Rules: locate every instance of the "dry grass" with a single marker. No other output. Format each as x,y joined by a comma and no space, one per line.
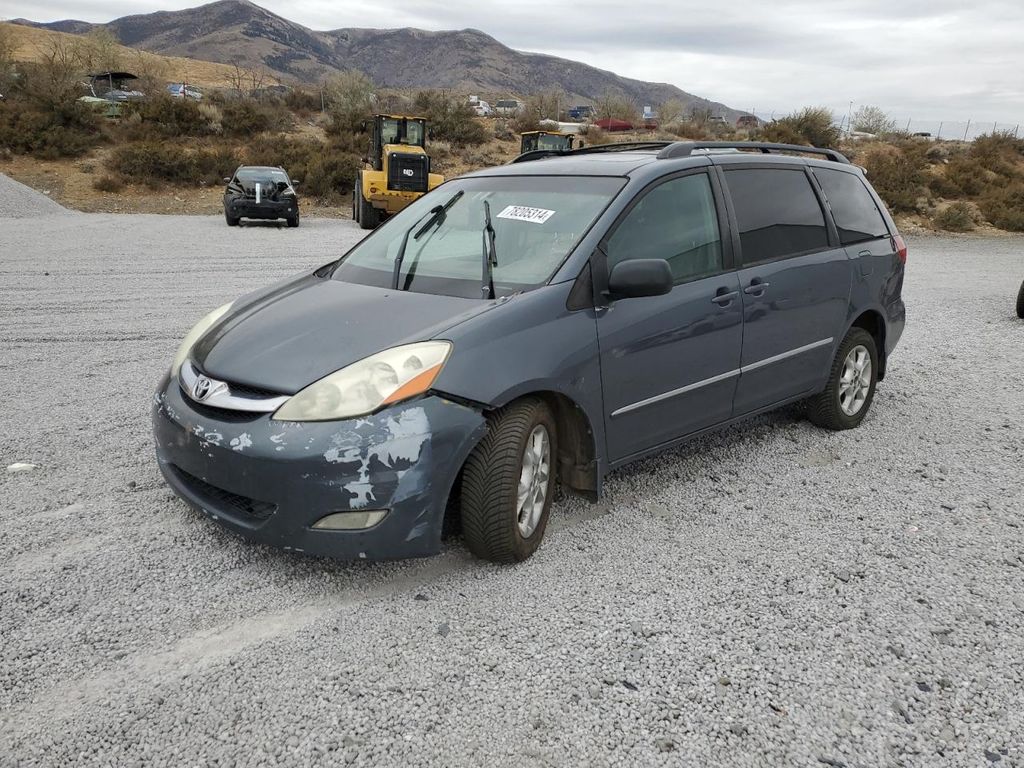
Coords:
29,42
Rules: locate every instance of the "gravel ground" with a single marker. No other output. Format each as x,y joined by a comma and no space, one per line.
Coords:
18,201
770,595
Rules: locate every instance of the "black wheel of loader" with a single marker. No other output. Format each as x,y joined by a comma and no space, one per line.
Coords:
368,216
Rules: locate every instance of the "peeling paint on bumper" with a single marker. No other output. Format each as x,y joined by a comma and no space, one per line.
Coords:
271,481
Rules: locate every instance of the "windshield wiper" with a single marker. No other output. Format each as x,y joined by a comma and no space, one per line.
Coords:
490,254
433,216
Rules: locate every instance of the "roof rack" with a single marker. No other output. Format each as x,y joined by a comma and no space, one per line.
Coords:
687,148
625,146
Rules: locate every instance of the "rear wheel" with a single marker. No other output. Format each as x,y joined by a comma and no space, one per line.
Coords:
508,483
1020,301
851,384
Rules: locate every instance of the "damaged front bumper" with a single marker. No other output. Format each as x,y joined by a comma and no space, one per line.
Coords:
271,481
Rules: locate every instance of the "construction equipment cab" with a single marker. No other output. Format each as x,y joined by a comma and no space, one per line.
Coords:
534,140
399,172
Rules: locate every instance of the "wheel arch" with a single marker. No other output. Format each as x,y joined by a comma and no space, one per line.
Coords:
873,321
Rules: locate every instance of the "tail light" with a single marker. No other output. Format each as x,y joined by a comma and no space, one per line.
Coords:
901,248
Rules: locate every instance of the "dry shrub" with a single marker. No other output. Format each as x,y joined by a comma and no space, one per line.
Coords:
451,119
243,117
49,133
327,171
956,217
155,164
897,174
811,125
686,130
1003,206
108,183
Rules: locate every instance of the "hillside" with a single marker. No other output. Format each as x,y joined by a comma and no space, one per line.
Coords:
240,32
31,42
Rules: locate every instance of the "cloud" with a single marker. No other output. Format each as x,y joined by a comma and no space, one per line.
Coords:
925,59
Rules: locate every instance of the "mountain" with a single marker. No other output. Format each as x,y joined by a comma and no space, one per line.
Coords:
240,32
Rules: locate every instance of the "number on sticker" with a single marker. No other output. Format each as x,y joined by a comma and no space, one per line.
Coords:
525,213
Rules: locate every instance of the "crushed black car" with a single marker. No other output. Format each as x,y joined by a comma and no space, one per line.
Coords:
261,192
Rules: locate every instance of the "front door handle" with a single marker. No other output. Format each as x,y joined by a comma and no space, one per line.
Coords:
757,287
724,299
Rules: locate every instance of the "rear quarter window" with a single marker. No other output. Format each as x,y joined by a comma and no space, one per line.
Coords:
777,213
856,215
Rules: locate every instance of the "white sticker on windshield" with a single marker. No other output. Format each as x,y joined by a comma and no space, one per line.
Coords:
523,213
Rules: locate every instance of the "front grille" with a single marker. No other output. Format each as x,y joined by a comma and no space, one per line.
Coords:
220,499
228,415
408,172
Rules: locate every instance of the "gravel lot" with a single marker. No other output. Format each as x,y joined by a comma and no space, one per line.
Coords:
770,595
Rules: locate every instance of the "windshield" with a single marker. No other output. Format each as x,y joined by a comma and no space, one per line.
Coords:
391,132
537,221
261,174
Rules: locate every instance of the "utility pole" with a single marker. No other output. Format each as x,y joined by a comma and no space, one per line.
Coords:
908,125
967,128
939,134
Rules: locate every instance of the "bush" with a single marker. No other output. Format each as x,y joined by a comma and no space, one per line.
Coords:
451,119
811,125
593,135
1003,206
685,130
108,184
155,164
67,130
165,117
898,175
955,218
242,117
964,177
327,171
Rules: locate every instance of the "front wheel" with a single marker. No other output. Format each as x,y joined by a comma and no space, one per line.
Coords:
1020,301
851,384
231,220
293,221
368,216
508,483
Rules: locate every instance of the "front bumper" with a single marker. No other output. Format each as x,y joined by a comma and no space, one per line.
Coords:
265,209
270,481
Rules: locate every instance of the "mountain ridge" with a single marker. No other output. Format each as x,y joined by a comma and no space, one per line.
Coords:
239,32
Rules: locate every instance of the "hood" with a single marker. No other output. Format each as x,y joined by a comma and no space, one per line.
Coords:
287,338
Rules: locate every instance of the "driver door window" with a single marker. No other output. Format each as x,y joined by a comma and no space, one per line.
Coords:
675,221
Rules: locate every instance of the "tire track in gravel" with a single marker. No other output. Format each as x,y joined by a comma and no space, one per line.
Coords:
61,703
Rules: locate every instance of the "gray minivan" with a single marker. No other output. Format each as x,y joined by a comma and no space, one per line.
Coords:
549,320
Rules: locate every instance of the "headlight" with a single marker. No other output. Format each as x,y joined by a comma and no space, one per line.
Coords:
363,387
193,336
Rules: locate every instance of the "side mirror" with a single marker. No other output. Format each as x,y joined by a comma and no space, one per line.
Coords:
227,180
296,182
634,278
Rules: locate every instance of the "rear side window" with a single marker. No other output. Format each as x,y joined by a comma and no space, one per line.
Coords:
857,217
777,212
675,221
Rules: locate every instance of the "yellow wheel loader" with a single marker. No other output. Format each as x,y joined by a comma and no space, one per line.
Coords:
398,172
534,140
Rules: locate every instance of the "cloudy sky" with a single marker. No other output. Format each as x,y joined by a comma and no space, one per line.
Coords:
928,60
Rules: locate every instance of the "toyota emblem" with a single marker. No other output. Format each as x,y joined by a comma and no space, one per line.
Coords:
201,389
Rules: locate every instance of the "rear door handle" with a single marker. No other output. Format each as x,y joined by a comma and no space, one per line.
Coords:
756,287
862,254
724,299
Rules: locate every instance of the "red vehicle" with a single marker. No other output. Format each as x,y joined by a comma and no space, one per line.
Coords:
611,124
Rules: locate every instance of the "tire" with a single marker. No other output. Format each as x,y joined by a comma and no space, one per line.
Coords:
368,217
293,221
232,222
839,406
492,525
1020,301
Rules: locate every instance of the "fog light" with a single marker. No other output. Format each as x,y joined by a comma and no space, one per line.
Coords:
350,521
